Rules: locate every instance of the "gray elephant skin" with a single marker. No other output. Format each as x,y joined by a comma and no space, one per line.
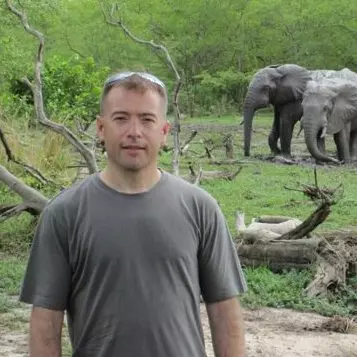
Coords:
281,86
330,107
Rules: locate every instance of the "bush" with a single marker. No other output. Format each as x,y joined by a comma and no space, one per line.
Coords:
222,92
71,89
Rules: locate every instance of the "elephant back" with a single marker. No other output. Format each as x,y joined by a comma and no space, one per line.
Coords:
345,73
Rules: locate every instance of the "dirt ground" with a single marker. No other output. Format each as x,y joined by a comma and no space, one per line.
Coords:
269,333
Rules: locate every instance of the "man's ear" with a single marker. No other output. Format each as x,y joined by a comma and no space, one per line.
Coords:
99,125
166,128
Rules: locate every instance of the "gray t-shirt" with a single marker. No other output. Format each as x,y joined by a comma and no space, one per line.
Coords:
129,268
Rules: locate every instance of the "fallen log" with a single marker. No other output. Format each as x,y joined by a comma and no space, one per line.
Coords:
272,219
210,175
332,256
337,259
279,255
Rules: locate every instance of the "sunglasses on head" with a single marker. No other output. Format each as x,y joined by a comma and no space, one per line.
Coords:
123,75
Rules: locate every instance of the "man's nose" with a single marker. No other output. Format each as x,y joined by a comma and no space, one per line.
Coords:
134,127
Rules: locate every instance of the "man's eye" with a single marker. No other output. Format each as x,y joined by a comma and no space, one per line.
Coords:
119,118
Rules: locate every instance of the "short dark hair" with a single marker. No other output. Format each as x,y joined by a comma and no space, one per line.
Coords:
138,81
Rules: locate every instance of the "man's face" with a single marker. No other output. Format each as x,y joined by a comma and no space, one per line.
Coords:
133,128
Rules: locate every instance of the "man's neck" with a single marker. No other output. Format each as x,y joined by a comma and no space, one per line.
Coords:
130,181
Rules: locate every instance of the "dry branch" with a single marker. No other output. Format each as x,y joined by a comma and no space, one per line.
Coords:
314,220
210,175
228,144
33,201
209,153
228,162
176,126
199,177
31,170
185,144
317,194
36,89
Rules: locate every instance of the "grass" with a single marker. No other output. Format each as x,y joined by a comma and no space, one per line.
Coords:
258,189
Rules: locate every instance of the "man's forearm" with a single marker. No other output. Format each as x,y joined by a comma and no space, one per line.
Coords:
227,330
45,334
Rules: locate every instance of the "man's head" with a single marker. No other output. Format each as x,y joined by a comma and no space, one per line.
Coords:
132,121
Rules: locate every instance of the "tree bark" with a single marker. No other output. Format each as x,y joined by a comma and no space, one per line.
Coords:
33,200
228,143
279,255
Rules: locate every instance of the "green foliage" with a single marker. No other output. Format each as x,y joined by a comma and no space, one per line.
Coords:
72,87
11,273
221,93
220,42
285,291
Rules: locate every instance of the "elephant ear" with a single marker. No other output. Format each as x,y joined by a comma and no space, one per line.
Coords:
293,80
344,108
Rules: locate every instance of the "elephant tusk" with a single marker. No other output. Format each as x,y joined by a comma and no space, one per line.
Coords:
323,134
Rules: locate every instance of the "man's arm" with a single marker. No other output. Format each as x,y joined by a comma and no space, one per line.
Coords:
226,324
45,332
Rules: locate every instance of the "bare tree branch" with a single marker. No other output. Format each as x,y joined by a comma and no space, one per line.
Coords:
33,201
6,146
36,88
31,170
198,178
176,126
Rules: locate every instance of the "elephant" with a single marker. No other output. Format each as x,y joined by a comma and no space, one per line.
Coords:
283,87
330,107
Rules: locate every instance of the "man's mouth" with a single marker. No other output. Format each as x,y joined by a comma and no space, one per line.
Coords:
133,147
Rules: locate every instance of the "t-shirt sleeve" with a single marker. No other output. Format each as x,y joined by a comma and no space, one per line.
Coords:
221,274
48,274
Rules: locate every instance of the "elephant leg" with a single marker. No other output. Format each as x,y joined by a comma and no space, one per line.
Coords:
342,145
289,116
274,133
286,133
353,146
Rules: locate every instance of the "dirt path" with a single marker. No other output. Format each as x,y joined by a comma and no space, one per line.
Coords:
269,333
281,332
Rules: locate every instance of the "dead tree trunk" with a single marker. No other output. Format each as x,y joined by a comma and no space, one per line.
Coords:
33,201
228,144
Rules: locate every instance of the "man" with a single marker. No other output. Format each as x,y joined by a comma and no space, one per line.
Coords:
127,252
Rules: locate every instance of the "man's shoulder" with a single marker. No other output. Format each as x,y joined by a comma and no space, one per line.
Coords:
69,197
190,191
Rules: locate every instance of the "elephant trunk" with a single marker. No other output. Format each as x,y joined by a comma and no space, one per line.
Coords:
248,119
312,131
